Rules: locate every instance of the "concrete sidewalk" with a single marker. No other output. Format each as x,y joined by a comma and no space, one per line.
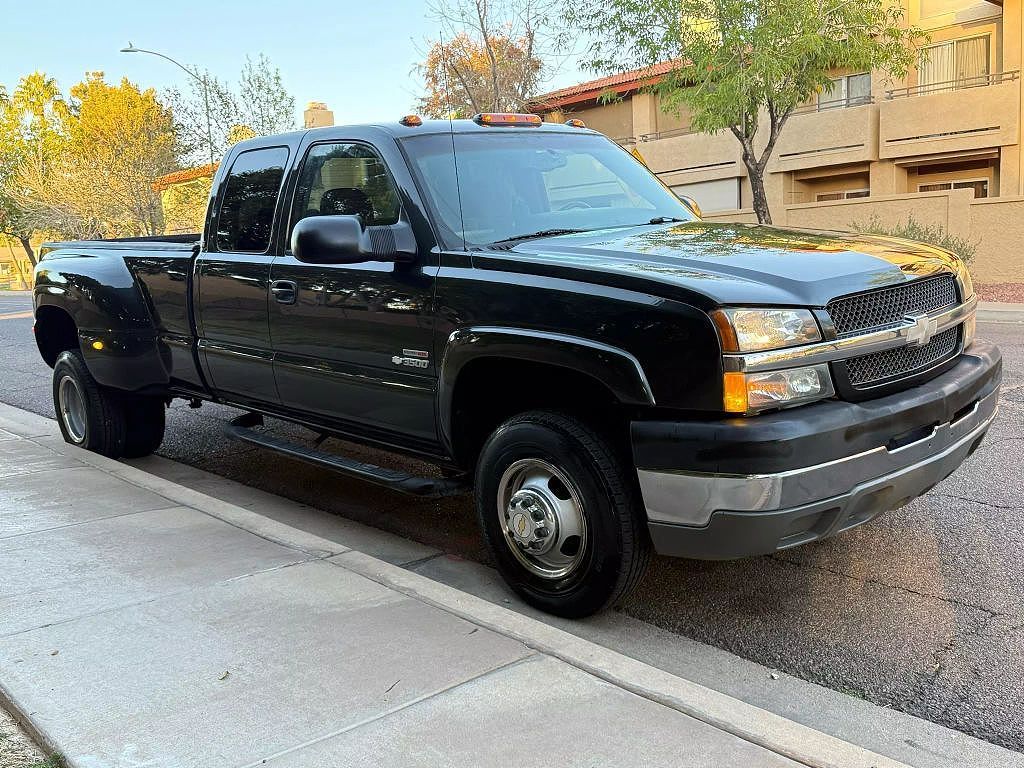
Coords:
143,623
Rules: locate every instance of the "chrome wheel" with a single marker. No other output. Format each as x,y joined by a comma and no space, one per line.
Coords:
72,408
541,514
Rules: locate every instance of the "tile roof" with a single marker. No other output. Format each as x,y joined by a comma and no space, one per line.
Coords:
187,174
590,90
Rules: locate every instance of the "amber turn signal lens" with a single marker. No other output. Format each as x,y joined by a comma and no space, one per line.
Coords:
726,333
506,118
734,392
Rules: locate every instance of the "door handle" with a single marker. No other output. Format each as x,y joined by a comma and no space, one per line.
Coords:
285,291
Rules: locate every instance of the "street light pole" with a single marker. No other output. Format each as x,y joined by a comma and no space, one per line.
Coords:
130,48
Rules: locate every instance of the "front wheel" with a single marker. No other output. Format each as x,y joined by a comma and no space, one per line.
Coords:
560,513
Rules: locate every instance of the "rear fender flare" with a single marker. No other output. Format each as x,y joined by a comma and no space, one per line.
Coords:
116,330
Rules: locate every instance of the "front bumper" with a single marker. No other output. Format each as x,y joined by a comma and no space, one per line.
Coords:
740,487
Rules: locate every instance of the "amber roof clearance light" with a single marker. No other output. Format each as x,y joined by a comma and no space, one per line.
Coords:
411,121
506,118
575,122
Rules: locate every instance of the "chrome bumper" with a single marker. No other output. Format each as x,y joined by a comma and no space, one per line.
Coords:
889,476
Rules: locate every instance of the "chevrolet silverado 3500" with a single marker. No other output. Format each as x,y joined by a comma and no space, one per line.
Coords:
528,307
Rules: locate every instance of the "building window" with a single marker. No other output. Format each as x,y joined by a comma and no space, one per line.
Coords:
980,186
956,64
846,91
849,194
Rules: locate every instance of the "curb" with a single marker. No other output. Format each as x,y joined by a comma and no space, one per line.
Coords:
1000,312
773,732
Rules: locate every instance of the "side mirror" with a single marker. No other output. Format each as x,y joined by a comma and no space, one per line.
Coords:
343,240
690,203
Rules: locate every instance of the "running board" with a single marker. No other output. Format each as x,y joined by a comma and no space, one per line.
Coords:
425,487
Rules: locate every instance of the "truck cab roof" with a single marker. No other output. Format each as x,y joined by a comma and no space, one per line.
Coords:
398,130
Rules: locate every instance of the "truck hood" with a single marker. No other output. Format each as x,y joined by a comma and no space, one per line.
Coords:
739,263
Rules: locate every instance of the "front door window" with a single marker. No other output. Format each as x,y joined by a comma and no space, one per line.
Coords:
346,179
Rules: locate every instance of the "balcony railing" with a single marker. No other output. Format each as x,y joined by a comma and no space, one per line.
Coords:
976,81
668,134
832,104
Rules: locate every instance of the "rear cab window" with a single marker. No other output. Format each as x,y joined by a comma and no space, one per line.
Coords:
251,191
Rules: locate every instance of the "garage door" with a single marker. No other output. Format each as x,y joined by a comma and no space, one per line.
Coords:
717,195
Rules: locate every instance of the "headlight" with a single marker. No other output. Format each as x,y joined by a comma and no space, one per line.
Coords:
751,392
754,330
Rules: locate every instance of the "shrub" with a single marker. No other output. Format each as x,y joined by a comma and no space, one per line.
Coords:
912,229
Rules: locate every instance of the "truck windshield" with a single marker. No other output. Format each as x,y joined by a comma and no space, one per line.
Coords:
515,185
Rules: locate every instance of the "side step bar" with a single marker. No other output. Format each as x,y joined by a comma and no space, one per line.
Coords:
425,487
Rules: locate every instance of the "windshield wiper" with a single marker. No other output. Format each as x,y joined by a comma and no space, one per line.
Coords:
665,219
539,233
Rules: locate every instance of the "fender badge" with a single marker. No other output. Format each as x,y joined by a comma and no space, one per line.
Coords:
412,358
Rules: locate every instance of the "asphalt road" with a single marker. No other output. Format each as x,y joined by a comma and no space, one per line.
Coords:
921,610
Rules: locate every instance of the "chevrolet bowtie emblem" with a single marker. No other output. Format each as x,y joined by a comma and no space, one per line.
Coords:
922,330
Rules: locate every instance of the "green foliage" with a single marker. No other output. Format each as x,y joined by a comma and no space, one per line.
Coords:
911,229
744,63
83,166
259,102
32,133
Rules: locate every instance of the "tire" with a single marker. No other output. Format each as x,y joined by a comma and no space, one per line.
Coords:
90,416
145,426
554,463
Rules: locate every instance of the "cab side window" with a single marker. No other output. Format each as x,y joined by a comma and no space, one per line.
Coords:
250,196
346,179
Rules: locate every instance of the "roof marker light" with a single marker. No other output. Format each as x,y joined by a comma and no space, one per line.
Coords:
506,118
575,122
411,121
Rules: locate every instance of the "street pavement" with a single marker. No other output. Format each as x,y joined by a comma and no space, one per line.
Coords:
145,623
921,610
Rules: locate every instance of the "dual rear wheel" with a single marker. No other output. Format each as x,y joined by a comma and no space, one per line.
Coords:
100,419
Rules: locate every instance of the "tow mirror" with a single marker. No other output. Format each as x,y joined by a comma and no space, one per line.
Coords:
344,240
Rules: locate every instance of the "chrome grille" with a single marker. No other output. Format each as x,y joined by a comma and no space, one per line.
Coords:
888,306
879,367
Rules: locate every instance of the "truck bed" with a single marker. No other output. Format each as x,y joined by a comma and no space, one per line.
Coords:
178,242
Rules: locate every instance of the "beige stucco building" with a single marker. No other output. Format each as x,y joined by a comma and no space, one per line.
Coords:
15,266
943,146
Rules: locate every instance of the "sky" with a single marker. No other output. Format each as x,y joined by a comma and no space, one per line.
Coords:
357,56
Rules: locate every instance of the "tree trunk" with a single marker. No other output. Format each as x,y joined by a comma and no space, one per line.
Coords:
756,176
29,250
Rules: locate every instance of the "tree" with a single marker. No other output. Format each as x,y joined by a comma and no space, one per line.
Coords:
32,134
266,106
490,57
116,141
260,103
745,65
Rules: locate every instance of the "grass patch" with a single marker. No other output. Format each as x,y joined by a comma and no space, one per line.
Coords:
53,761
912,229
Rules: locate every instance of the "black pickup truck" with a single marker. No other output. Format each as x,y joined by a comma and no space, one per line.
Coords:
526,306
